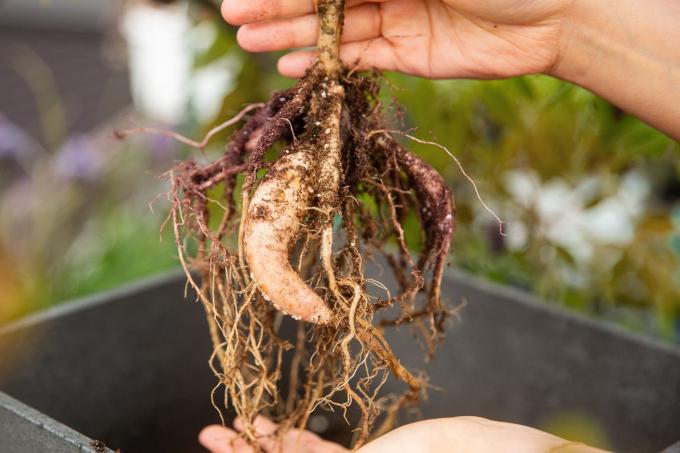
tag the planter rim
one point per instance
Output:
(61, 433)
(517, 295)
(91, 301)
(530, 300)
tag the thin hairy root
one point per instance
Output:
(460, 167)
(245, 207)
(327, 260)
(122, 134)
(327, 185)
(277, 126)
(338, 162)
(437, 212)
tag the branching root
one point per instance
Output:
(340, 189)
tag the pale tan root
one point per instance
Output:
(275, 214)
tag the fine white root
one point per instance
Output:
(275, 214)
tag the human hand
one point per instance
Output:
(468, 434)
(429, 38)
(219, 439)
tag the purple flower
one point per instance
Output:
(160, 147)
(77, 160)
(13, 140)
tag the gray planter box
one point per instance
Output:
(129, 368)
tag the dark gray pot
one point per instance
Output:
(129, 368)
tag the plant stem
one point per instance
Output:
(331, 16)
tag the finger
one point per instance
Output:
(218, 439)
(265, 430)
(263, 426)
(303, 441)
(361, 55)
(330, 447)
(295, 440)
(239, 12)
(471, 434)
(361, 23)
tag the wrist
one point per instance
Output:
(579, 42)
(626, 52)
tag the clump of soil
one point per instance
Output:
(340, 177)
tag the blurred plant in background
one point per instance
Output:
(75, 220)
(589, 195)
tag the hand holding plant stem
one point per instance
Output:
(623, 50)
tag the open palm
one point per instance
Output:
(430, 38)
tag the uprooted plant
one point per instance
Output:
(338, 162)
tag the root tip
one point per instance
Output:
(119, 134)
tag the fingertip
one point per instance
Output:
(257, 37)
(209, 430)
(263, 425)
(234, 11)
(238, 424)
(217, 438)
(243, 37)
(295, 64)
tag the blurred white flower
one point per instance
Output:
(563, 214)
(159, 59)
(210, 84)
(162, 44)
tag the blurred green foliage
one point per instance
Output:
(578, 426)
(68, 234)
(559, 134)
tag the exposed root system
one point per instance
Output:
(338, 190)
